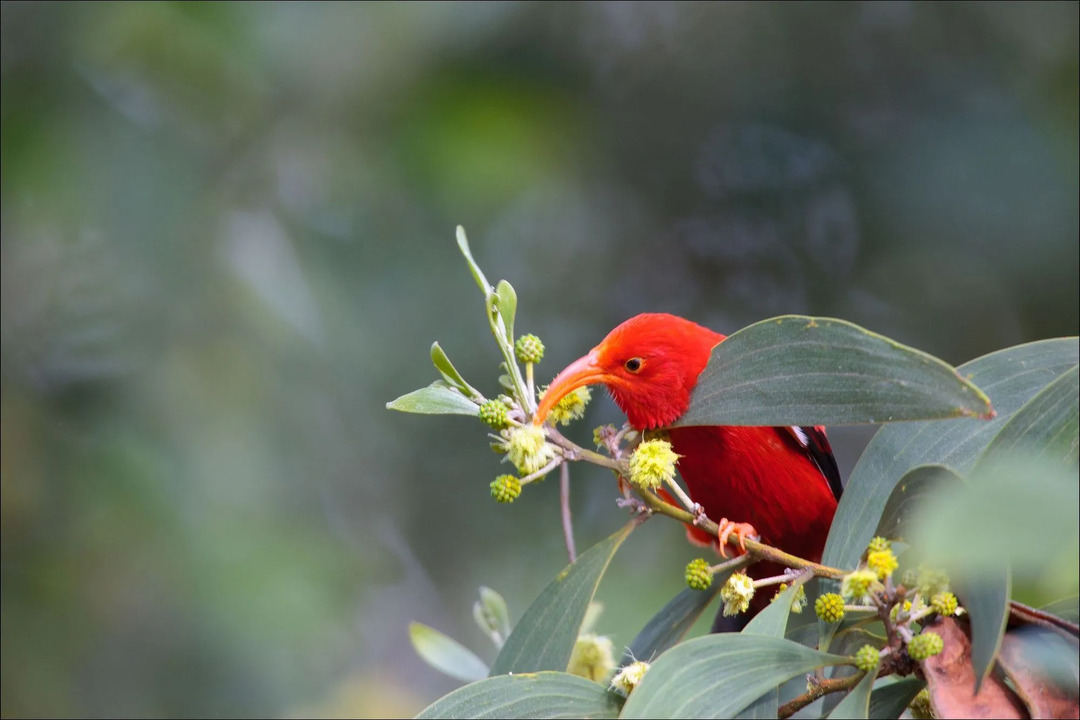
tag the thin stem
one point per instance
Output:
(564, 505)
(733, 564)
(542, 471)
(757, 550)
(683, 497)
(529, 383)
(818, 690)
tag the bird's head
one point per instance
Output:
(650, 365)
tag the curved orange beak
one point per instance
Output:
(583, 371)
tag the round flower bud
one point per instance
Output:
(867, 658)
(505, 488)
(570, 407)
(652, 464)
(494, 414)
(737, 593)
(830, 608)
(858, 586)
(529, 449)
(944, 604)
(629, 677)
(883, 562)
(878, 544)
(593, 657)
(529, 349)
(698, 574)
(920, 707)
(925, 645)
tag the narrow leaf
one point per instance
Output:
(446, 654)
(914, 488)
(762, 708)
(719, 675)
(477, 273)
(506, 302)
(674, 620)
(798, 370)
(449, 372)
(435, 399)
(544, 637)
(773, 619)
(527, 695)
(492, 615)
(1066, 608)
(856, 704)
(987, 603)
(1048, 425)
(1011, 377)
(890, 701)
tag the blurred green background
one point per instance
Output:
(228, 240)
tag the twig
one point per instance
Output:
(564, 505)
(817, 690)
(759, 551)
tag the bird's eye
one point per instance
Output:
(634, 364)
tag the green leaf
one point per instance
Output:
(890, 701)
(492, 615)
(772, 622)
(674, 620)
(446, 654)
(986, 601)
(856, 704)
(716, 676)
(435, 399)
(913, 489)
(1065, 608)
(1048, 425)
(449, 372)
(527, 695)
(1011, 377)
(798, 370)
(773, 619)
(544, 637)
(477, 273)
(965, 529)
(506, 302)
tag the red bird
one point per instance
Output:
(781, 483)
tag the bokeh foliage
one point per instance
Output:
(225, 244)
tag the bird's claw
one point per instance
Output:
(742, 531)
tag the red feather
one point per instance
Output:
(783, 481)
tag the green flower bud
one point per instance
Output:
(506, 488)
(495, 414)
(698, 574)
(737, 593)
(867, 658)
(830, 608)
(920, 706)
(652, 464)
(529, 349)
(931, 581)
(944, 604)
(925, 645)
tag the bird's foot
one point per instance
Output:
(741, 530)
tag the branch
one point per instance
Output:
(564, 506)
(818, 689)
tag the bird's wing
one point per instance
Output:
(814, 443)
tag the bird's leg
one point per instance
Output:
(742, 531)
